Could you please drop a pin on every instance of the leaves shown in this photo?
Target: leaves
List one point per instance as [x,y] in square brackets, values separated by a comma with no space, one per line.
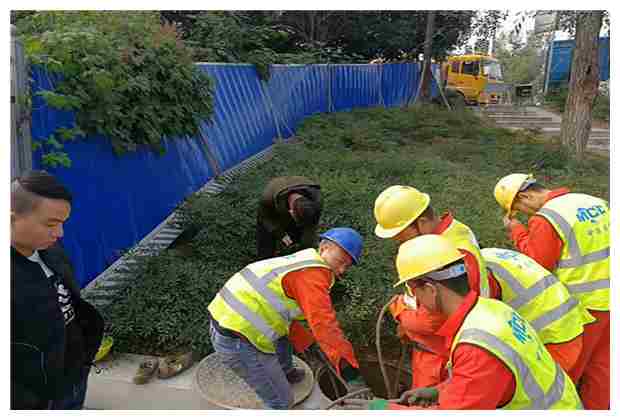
[124,74]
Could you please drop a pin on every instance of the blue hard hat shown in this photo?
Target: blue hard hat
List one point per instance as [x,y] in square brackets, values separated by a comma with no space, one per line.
[348,239]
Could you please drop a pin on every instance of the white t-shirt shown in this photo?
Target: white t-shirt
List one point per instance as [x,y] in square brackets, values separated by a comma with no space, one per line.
[64,295]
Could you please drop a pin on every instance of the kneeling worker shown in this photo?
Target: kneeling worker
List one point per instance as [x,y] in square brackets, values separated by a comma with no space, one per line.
[256,311]
[496,358]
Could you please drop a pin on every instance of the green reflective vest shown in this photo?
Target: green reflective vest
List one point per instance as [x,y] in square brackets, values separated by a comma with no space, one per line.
[537,295]
[253,302]
[541,384]
[583,224]
[463,237]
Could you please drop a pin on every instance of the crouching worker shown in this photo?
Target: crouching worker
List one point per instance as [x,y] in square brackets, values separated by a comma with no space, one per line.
[496,358]
[258,309]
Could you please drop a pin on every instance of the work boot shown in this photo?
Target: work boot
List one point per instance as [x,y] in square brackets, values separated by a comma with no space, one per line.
[146,371]
[295,375]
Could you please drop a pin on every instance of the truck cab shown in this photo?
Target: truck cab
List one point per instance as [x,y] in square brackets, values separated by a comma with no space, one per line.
[476,76]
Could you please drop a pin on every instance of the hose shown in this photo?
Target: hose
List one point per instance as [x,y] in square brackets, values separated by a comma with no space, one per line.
[386,381]
[349,395]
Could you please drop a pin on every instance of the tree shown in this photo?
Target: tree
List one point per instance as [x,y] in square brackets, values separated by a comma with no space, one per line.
[583,84]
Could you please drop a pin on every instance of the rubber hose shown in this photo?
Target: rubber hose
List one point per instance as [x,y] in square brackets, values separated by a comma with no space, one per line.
[349,395]
[401,360]
[386,381]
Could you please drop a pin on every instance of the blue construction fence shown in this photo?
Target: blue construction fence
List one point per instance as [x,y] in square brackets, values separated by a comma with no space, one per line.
[561,57]
[119,200]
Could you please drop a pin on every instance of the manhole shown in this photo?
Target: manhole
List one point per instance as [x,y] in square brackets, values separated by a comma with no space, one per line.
[224,388]
[371,372]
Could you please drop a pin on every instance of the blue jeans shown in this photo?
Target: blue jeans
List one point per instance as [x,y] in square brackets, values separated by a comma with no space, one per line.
[264,372]
[74,394]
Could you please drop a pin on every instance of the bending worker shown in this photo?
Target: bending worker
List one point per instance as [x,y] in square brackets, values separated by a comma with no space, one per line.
[496,358]
[288,213]
[403,213]
[541,299]
[568,234]
[258,308]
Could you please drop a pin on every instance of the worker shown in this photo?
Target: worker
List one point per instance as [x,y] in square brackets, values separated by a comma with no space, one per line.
[568,234]
[497,360]
[288,213]
[258,310]
[541,299]
[403,213]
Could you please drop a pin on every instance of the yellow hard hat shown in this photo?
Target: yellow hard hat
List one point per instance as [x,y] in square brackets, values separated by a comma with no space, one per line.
[507,188]
[396,208]
[424,254]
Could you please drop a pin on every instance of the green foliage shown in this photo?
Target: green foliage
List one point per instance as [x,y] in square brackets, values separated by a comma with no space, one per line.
[521,62]
[556,100]
[455,157]
[126,76]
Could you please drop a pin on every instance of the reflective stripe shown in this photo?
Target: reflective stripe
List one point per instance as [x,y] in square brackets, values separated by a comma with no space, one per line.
[256,321]
[585,259]
[259,284]
[576,259]
[588,287]
[524,295]
[538,399]
[554,314]
[271,275]
[262,289]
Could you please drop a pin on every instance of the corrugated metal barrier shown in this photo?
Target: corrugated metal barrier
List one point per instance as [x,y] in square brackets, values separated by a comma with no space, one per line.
[562,56]
[119,200]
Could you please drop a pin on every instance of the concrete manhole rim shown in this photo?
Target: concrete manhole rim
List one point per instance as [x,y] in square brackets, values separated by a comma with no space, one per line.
[300,393]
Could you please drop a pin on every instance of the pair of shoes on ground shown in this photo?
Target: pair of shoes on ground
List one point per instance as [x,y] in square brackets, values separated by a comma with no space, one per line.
[165,367]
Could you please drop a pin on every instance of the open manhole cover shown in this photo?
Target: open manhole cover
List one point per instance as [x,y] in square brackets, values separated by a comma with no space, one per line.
[222,387]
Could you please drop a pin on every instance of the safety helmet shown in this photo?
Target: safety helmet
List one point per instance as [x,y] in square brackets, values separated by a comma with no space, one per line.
[508,187]
[348,239]
[424,254]
[396,208]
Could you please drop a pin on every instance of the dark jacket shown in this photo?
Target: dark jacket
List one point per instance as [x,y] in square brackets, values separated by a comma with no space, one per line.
[38,372]
[273,219]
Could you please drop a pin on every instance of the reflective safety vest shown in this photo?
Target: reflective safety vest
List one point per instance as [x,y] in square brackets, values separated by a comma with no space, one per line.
[463,237]
[583,224]
[537,295]
[541,384]
[253,302]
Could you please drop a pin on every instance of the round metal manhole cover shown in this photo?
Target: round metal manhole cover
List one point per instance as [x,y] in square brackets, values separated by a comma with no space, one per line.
[223,387]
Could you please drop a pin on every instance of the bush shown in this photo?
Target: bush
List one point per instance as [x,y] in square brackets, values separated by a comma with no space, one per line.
[354,156]
[556,99]
[127,76]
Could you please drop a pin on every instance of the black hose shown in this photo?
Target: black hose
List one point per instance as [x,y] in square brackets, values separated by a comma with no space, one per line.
[386,381]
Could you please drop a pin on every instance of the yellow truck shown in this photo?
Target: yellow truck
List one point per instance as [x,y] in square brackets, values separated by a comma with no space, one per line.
[477,77]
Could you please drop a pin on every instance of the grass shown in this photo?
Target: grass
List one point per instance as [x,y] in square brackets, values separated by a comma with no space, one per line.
[455,157]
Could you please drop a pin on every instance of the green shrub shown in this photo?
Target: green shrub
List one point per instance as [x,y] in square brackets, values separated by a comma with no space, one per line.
[166,306]
[126,75]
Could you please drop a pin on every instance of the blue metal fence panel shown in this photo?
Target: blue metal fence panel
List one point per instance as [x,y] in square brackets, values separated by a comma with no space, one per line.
[243,124]
[117,201]
[297,91]
[398,82]
[355,86]
[562,55]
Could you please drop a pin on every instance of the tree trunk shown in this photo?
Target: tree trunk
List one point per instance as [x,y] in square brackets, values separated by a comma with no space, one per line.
[425,94]
[583,85]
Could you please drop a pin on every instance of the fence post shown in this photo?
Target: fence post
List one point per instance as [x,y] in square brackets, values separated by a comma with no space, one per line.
[21,142]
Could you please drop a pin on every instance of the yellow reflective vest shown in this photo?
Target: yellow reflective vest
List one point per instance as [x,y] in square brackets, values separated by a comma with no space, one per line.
[541,384]
[538,296]
[253,302]
[462,236]
[583,224]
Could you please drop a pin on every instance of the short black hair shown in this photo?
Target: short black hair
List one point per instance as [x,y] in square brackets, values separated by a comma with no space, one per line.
[308,211]
[460,284]
[28,189]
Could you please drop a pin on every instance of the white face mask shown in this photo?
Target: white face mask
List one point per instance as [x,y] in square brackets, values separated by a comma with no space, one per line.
[410,301]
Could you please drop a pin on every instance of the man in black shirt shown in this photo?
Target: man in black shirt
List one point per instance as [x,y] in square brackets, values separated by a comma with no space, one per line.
[54,333]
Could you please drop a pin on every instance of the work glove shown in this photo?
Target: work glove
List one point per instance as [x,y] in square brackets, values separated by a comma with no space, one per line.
[423,397]
[287,240]
[358,384]
[360,404]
